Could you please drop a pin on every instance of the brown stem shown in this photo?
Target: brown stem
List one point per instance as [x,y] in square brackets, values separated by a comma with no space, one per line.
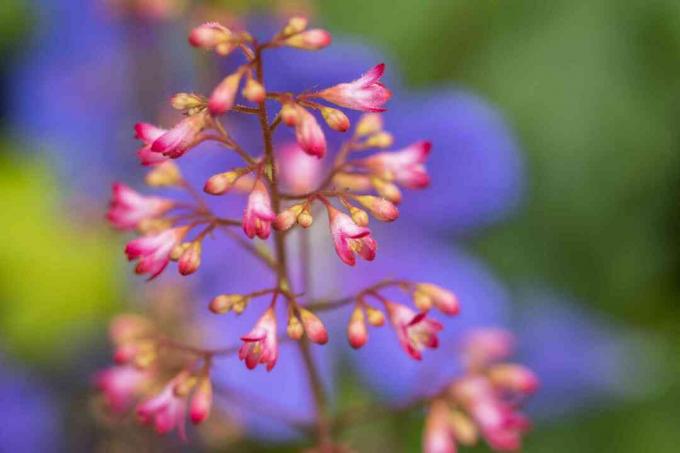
[323,428]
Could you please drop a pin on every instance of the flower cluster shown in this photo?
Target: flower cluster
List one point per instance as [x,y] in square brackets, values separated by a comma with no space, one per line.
[484,401]
[279,189]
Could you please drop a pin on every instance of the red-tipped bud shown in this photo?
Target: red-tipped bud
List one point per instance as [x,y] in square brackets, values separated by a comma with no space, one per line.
[294,329]
[335,119]
[381,208]
[125,353]
[387,190]
[314,39]
[188,102]
[254,91]
[359,216]
[289,114]
[365,93]
[190,259]
[222,97]
[357,333]
[427,294]
[210,36]
[515,378]
[314,328]
[309,135]
[222,182]
[201,402]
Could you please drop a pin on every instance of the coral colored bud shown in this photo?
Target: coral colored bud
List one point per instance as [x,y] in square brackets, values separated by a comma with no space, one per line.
[379,140]
[314,328]
[178,250]
[387,190]
[464,430]
[229,302]
[515,378]
[190,259]
[223,96]
[188,102]
[287,218]
[295,24]
[309,135]
[289,114]
[294,329]
[220,183]
[201,402]
[365,93]
[209,35]
[314,39]
[428,294]
[254,91]
[369,124]
[258,215]
[177,141]
[335,119]
[357,333]
[166,174]
[380,208]
[359,216]
[375,317]
[305,218]
[438,436]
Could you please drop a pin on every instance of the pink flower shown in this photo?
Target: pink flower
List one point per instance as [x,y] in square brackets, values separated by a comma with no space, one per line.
[261,345]
[299,172]
[357,333]
[128,207]
[438,436]
[148,133]
[120,384]
[513,378]
[427,294]
[165,411]
[258,214]
[210,35]
[405,166]
[201,402]
[175,142]
[415,331]
[366,93]
[349,238]
[308,133]
[153,250]
[313,326]
[313,39]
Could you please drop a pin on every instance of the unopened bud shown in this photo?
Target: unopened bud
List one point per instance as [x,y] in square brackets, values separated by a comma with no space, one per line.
[463,428]
[335,119]
[359,216]
[314,328]
[223,96]
[295,24]
[357,333]
[229,302]
[287,218]
[387,190]
[254,91]
[374,316]
[220,183]
[289,114]
[314,39]
[305,218]
[166,174]
[190,259]
[209,36]
[428,294]
[294,329]
[369,124]
[515,378]
[379,140]
[381,208]
[178,250]
[188,102]
[201,402]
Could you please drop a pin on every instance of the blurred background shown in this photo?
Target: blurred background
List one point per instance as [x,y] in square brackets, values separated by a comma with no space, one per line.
[589,89]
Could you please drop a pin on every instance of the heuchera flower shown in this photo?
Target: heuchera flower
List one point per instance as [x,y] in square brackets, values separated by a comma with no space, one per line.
[261,344]
[308,133]
[166,411]
[148,133]
[201,401]
[428,294]
[313,39]
[415,331]
[175,142]
[128,207]
[366,93]
[349,238]
[438,436]
[119,385]
[210,36]
[258,214]
[153,250]
[406,166]
[223,96]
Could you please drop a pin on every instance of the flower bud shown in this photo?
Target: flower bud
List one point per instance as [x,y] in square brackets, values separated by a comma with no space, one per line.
[294,329]
[188,102]
[220,183]
[314,328]
[178,250]
[357,333]
[314,39]
[153,226]
[125,353]
[254,91]
[289,114]
[353,182]
[184,382]
[369,124]
[190,259]
[145,355]
[209,35]
[335,119]
[379,140]
[380,208]
[374,316]
[359,216]
[295,24]
[166,174]
[287,218]
[226,302]
[201,402]
[305,218]
[427,294]
[387,190]
[463,428]
[514,378]
[223,96]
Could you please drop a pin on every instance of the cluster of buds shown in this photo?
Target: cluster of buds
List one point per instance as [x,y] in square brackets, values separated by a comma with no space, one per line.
[484,401]
[415,330]
[163,387]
